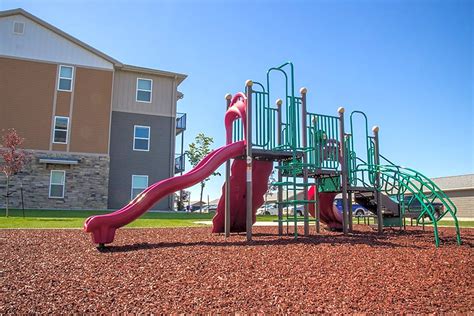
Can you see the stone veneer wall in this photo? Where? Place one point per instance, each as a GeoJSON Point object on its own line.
{"type": "Point", "coordinates": [86, 184]}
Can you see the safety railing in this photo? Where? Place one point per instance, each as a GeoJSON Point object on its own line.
{"type": "Point", "coordinates": [324, 141]}
{"type": "Point", "coordinates": [180, 122]}
{"type": "Point", "coordinates": [264, 121]}
{"type": "Point", "coordinates": [179, 163]}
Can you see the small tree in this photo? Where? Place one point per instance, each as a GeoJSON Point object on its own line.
{"type": "Point", "coordinates": [13, 159]}
{"type": "Point", "coordinates": [197, 151]}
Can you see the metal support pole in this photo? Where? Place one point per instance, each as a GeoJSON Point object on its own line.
{"type": "Point", "coordinates": [343, 171]}
{"type": "Point", "coordinates": [316, 206]}
{"type": "Point", "coordinates": [182, 163]}
{"type": "Point", "coordinates": [349, 200]}
{"type": "Point", "coordinates": [316, 191]}
{"type": "Point", "coordinates": [228, 97]}
{"type": "Point", "coordinates": [378, 194]}
{"type": "Point", "coordinates": [279, 102]}
{"type": "Point", "coordinates": [304, 142]}
{"type": "Point", "coordinates": [248, 139]}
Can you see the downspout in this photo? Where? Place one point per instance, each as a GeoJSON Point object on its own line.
{"type": "Point", "coordinates": [174, 104]}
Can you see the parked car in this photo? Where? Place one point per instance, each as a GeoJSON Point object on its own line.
{"type": "Point", "coordinates": [209, 208]}
{"type": "Point", "coordinates": [268, 209]}
{"type": "Point", "coordinates": [193, 208]}
{"type": "Point", "coordinates": [413, 207]}
{"type": "Point", "coordinates": [299, 210]}
{"type": "Point", "coordinates": [357, 209]}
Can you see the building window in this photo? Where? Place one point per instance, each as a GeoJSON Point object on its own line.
{"type": "Point", "coordinates": [141, 138]}
{"type": "Point", "coordinates": [144, 88]}
{"type": "Point", "coordinates": [60, 133]}
{"type": "Point", "coordinates": [18, 28]}
{"type": "Point", "coordinates": [139, 183]}
{"type": "Point", "coordinates": [56, 184]}
{"type": "Point", "coordinates": [65, 78]}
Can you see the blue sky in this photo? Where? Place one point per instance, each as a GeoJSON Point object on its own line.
{"type": "Point", "coordinates": [407, 64]}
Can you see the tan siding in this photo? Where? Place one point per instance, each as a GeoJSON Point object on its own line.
{"type": "Point", "coordinates": [26, 100]}
{"type": "Point", "coordinates": [464, 201]}
{"type": "Point", "coordinates": [63, 103]}
{"type": "Point", "coordinates": [124, 98]}
{"type": "Point", "coordinates": [59, 147]}
{"type": "Point", "coordinates": [91, 111]}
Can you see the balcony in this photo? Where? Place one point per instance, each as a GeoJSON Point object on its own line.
{"type": "Point", "coordinates": [179, 163]}
{"type": "Point", "coordinates": [180, 123]}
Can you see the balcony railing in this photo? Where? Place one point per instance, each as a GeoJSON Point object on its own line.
{"type": "Point", "coordinates": [180, 123]}
{"type": "Point", "coordinates": [179, 163]}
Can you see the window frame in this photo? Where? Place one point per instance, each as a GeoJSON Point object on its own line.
{"type": "Point", "coordinates": [147, 184]}
{"type": "Point", "coordinates": [59, 77]}
{"type": "Point", "coordinates": [63, 184]}
{"type": "Point", "coordinates": [67, 130]}
{"type": "Point", "coordinates": [151, 90]}
{"type": "Point", "coordinates": [135, 137]}
{"type": "Point", "coordinates": [23, 28]}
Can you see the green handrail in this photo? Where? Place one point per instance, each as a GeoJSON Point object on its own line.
{"type": "Point", "coordinates": [367, 139]}
{"type": "Point", "coordinates": [403, 180]}
{"type": "Point", "coordinates": [431, 186]}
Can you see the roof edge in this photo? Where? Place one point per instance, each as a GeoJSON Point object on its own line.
{"type": "Point", "coordinates": [455, 176]}
{"type": "Point", "coordinates": [152, 71]}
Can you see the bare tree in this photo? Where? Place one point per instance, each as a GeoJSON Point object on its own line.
{"type": "Point", "coordinates": [14, 159]}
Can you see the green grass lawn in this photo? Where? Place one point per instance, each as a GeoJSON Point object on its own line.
{"type": "Point", "coordinates": [75, 219]}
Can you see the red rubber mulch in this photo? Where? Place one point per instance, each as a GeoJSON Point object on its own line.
{"type": "Point", "coordinates": [190, 270]}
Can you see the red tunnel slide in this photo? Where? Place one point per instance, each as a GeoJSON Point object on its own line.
{"type": "Point", "coordinates": [328, 212]}
{"type": "Point", "coordinates": [238, 208]}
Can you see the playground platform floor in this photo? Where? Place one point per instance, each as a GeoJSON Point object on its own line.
{"type": "Point", "coordinates": [182, 270]}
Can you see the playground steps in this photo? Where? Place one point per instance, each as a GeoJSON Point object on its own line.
{"type": "Point", "coordinates": [368, 200]}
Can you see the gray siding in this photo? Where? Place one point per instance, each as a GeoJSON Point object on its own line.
{"type": "Point", "coordinates": [163, 100]}
{"type": "Point", "coordinates": [124, 161]}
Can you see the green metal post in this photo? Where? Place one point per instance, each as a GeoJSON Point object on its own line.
{"type": "Point", "coordinates": [343, 171]}
{"type": "Point", "coordinates": [279, 102]}
{"type": "Point", "coordinates": [248, 194]}
{"type": "Point", "coordinates": [228, 97]}
{"type": "Point", "coordinates": [378, 192]}
{"type": "Point", "coordinates": [304, 144]}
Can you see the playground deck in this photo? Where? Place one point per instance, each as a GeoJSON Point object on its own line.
{"type": "Point", "coordinates": [190, 270]}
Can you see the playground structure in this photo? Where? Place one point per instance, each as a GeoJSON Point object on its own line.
{"type": "Point", "coordinates": [315, 158]}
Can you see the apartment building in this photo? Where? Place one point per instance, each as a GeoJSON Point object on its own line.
{"type": "Point", "coordinates": [98, 131]}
